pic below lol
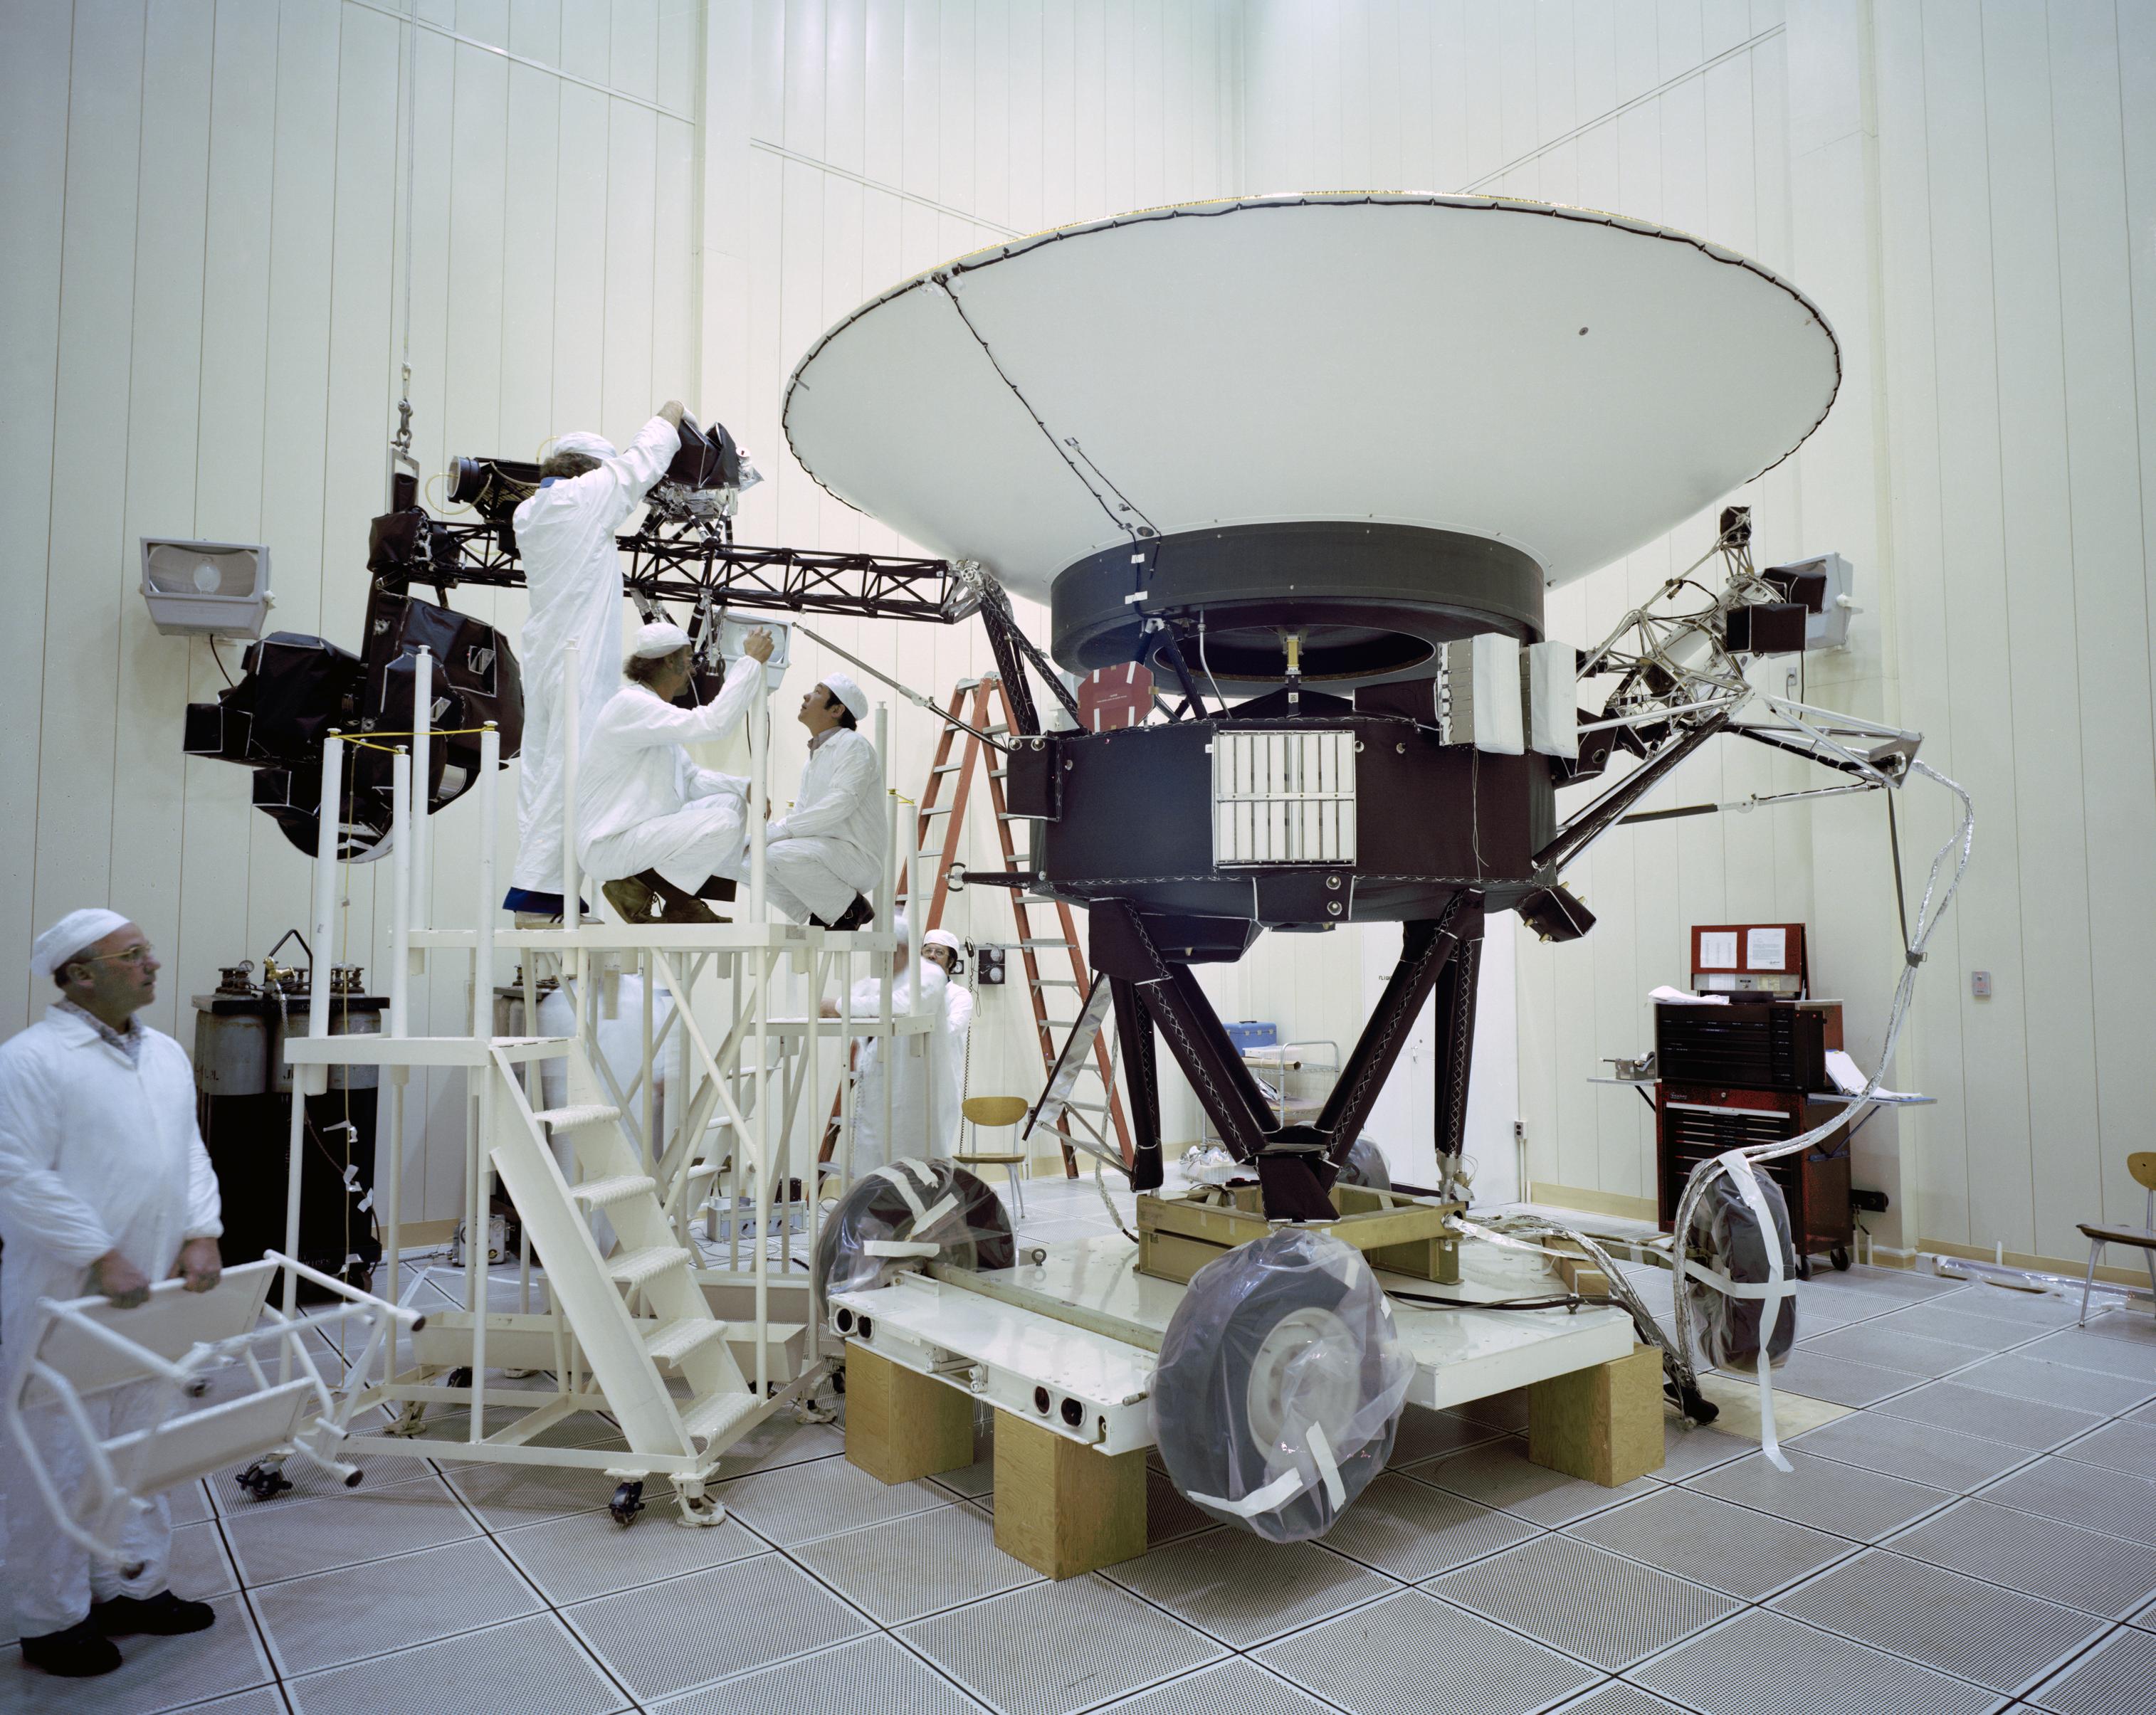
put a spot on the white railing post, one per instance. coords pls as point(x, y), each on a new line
point(571, 755)
point(887, 904)
point(400, 876)
point(423, 754)
point(313, 1080)
point(479, 1223)
point(759, 799)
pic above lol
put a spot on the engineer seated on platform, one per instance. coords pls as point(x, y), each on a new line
point(825, 855)
point(652, 828)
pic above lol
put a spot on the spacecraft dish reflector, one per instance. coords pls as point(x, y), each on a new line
point(1568, 382)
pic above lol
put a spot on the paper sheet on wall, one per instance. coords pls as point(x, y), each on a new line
point(1717, 949)
point(1766, 950)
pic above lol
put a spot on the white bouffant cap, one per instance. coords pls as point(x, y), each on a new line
point(592, 446)
point(73, 932)
point(661, 638)
point(841, 685)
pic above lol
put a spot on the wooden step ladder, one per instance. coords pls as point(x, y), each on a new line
point(990, 713)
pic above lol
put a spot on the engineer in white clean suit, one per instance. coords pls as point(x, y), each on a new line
point(941, 948)
point(908, 1071)
point(824, 857)
point(573, 578)
point(104, 1187)
point(652, 826)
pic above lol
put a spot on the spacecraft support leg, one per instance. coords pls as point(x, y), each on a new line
point(1141, 1072)
point(1454, 1057)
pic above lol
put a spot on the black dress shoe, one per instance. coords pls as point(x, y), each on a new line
point(858, 915)
point(82, 1651)
point(161, 1616)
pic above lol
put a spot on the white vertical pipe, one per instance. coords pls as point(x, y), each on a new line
point(400, 876)
point(759, 797)
point(312, 1080)
point(572, 750)
point(886, 905)
point(423, 752)
point(478, 1222)
point(811, 1169)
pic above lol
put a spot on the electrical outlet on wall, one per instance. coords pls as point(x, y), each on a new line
point(1979, 984)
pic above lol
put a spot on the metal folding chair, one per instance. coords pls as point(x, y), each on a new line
point(2142, 1164)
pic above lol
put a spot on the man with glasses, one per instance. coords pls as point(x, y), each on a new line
point(104, 1187)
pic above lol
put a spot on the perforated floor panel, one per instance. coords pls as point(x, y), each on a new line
point(1052, 1648)
point(2024, 1376)
point(531, 1666)
point(2039, 1557)
point(335, 1617)
point(1236, 1686)
point(2124, 1445)
point(798, 1503)
point(156, 1673)
point(917, 1565)
point(1243, 1591)
point(1917, 1452)
point(588, 1554)
point(1730, 1548)
point(1892, 1348)
point(2034, 1424)
point(2117, 1677)
point(1583, 1600)
point(874, 1676)
point(1499, 1474)
point(1861, 1505)
point(1379, 1660)
point(2113, 1502)
point(1818, 1375)
point(1412, 1531)
point(760, 1612)
point(1759, 1663)
point(1973, 1631)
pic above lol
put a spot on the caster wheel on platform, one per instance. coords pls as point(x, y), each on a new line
point(1839, 1256)
point(263, 1482)
point(627, 1502)
point(837, 1381)
point(459, 1377)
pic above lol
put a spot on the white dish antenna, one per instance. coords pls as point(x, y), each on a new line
point(1570, 383)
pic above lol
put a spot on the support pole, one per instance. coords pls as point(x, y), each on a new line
point(478, 1221)
point(313, 1080)
point(572, 748)
point(1134, 1037)
point(423, 754)
point(391, 1183)
point(759, 799)
point(1454, 1033)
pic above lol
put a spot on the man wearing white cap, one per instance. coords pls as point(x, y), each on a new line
point(104, 1187)
point(572, 578)
point(652, 828)
point(825, 855)
point(943, 949)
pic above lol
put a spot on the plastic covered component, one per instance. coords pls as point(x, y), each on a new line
point(1365, 1166)
point(1281, 1380)
point(910, 1212)
point(1725, 1226)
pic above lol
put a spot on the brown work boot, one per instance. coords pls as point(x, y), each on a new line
point(631, 898)
point(675, 904)
point(860, 914)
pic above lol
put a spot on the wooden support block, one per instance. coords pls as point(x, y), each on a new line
point(1062, 1507)
point(901, 1425)
point(1578, 1272)
point(1603, 1423)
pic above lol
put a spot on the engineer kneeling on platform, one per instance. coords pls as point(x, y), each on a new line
point(652, 828)
point(104, 1187)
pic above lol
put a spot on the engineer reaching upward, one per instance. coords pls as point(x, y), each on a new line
point(572, 575)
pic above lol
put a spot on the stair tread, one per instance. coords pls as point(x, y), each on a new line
point(598, 1193)
point(705, 1417)
point(576, 1115)
point(633, 1267)
point(668, 1342)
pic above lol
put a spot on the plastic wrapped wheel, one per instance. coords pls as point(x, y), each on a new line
point(1365, 1166)
point(1725, 1226)
point(908, 1213)
point(1281, 1380)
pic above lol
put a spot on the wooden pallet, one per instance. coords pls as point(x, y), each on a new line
point(1179, 1235)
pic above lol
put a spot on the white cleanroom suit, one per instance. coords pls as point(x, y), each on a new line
point(642, 804)
point(904, 1063)
point(945, 1125)
point(830, 846)
point(98, 1153)
point(573, 578)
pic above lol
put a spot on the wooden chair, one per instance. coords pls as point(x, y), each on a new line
point(2142, 1164)
point(997, 1111)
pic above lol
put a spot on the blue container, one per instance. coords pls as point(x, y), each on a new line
point(1248, 1033)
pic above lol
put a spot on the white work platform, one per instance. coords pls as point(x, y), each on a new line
point(1085, 1325)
